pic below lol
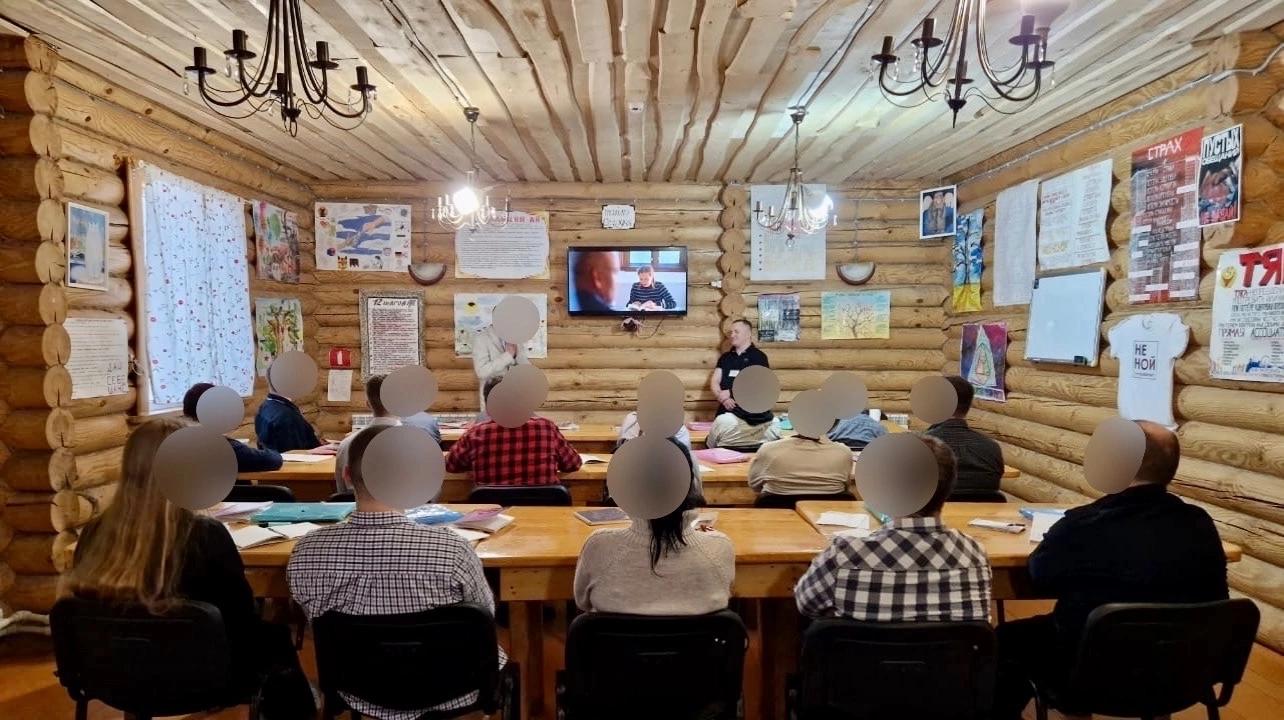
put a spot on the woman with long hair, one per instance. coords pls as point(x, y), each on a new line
point(146, 550)
point(663, 566)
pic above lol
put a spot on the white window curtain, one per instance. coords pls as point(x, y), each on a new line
point(194, 317)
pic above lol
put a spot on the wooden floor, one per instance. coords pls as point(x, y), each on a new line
point(29, 690)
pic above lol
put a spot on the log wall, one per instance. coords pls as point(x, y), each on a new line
point(66, 137)
point(1231, 433)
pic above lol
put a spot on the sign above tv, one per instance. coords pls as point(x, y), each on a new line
point(619, 217)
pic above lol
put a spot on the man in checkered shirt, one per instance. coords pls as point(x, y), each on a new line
point(532, 454)
point(380, 562)
point(912, 569)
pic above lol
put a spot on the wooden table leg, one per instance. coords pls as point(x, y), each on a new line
point(751, 614)
point(526, 632)
point(781, 632)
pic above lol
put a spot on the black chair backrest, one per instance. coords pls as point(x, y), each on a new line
point(920, 670)
point(409, 661)
point(346, 496)
point(548, 495)
point(977, 496)
point(144, 664)
point(637, 666)
point(767, 500)
point(1138, 659)
point(747, 449)
point(260, 493)
point(852, 444)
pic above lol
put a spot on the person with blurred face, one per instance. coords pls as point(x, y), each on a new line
point(374, 398)
point(594, 273)
point(280, 425)
point(980, 459)
point(742, 354)
point(248, 459)
point(493, 357)
point(1140, 545)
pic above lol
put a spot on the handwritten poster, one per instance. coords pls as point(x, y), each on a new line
point(1221, 158)
point(99, 362)
point(516, 250)
point(1072, 217)
point(774, 256)
point(1248, 316)
point(278, 328)
point(1014, 244)
point(1163, 249)
point(968, 262)
point(855, 315)
point(472, 313)
point(362, 236)
point(391, 330)
point(984, 357)
point(779, 317)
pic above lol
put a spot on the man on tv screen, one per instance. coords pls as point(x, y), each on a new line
point(649, 294)
point(594, 274)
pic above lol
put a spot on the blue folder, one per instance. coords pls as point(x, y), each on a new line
point(283, 512)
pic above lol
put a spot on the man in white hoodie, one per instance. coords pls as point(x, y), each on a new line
point(492, 357)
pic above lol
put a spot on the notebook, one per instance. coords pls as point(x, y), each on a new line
point(720, 455)
point(602, 516)
point(486, 521)
point(255, 535)
point(472, 536)
point(433, 514)
point(587, 458)
point(305, 512)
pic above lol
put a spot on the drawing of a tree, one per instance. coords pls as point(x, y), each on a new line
point(856, 318)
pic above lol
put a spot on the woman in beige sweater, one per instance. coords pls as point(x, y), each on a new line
point(657, 567)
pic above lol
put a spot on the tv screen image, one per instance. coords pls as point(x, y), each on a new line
point(626, 280)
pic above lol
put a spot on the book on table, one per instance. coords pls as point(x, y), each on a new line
point(488, 520)
point(602, 516)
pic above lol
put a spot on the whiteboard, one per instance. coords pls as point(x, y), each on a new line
point(1065, 318)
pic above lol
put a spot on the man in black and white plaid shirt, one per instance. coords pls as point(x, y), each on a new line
point(912, 569)
point(380, 562)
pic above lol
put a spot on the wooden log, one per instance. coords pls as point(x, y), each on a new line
point(80, 182)
point(106, 405)
point(61, 140)
point(32, 304)
point(27, 92)
point(31, 513)
point(1086, 390)
point(16, 135)
point(1233, 408)
point(35, 388)
point(1251, 493)
point(23, 264)
point(37, 429)
point(92, 469)
point(1050, 411)
point(1036, 489)
point(19, 220)
point(18, 177)
point(27, 53)
point(78, 507)
point(6, 537)
point(118, 296)
point(34, 593)
point(98, 433)
point(41, 554)
point(39, 471)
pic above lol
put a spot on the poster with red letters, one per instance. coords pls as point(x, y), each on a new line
point(1248, 316)
point(1163, 263)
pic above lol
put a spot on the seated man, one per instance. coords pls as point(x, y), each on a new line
point(426, 422)
point(857, 431)
point(740, 429)
point(1139, 545)
point(980, 460)
point(532, 454)
point(280, 426)
point(379, 562)
point(374, 398)
point(912, 569)
point(248, 459)
point(799, 465)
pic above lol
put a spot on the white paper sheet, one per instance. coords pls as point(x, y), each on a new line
point(339, 386)
point(1041, 523)
point(1014, 243)
point(1072, 217)
point(517, 250)
point(304, 457)
point(99, 362)
point(770, 259)
point(844, 519)
point(294, 531)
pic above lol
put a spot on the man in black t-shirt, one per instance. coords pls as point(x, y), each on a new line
point(742, 354)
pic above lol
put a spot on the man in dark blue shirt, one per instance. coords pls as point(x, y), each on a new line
point(1142, 544)
point(280, 425)
point(248, 459)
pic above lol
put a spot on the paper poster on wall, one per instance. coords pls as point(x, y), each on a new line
point(339, 386)
point(278, 328)
point(1147, 346)
point(1221, 158)
point(391, 330)
point(984, 359)
point(362, 236)
point(472, 313)
point(1072, 217)
point(619, 217)
point(1248, 316)
point(276, 242)
point(99, 360)
point(779, 317)
point(938, 208)
point(1163, 249)
point(516, 250)
point(968, 262)
point(86, 247)
point(773, 256)
point(855, 315)
point(1014, 244)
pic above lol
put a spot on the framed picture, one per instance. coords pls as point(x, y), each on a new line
point(86, 247)
point(938, 209)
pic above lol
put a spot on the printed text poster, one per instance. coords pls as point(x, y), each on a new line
point(1014, 244)
point(1248, 316)
point(1072, 217)
point(1163, 251)
point(391, 330)
point(779, 317)
point(516, 250)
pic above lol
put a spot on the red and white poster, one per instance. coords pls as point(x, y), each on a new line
point(1164, 248)
point(1221, 161)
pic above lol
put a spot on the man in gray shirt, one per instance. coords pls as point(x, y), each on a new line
point(980, 459)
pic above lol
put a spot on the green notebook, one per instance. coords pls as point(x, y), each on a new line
point(305, 512)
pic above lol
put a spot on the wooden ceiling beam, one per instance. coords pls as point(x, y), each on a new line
point(677, 48)
point(636, 25)
point(595, 49)
point(710, 33)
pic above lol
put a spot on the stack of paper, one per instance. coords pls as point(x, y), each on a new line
point(236, 510)
point(859, 521)
point(587, 458)
point(472, 536)
point(484, 521)
point(720, 455)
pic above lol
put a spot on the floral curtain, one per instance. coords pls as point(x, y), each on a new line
point(197, 303)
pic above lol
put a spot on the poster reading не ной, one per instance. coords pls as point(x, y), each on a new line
point(1248, 322)
point(1221, 158)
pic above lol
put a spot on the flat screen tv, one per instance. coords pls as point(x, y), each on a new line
point(626, 280)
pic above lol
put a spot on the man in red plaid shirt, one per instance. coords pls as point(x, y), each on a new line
point(532, 454)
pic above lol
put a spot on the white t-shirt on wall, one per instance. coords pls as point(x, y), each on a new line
point(1147, 346)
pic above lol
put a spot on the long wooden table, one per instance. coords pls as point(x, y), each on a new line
point(585, 438)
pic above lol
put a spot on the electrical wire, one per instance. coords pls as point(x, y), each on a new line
point(804, 100)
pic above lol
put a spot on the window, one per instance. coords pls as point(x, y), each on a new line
point(661, 259)
point(192, 288)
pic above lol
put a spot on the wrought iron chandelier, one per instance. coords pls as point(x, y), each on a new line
point(290, 76)
point(799, 213)
point(464, 208)
point(945, 76)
